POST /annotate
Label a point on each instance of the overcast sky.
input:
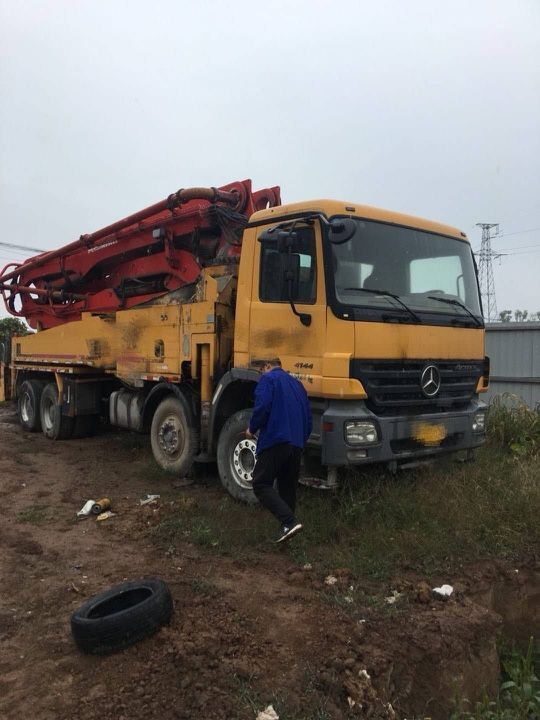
(426, 107)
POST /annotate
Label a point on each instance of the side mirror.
(341, 230)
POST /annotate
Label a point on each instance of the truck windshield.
(432, 275)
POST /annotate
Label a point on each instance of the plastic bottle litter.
(86, 509)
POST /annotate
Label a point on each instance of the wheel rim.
(171, 437)
(26, 407)
(47, 414)
(243, 463)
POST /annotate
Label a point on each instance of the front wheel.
(173, 436)
(236, 458)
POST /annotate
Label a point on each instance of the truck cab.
(378, 315)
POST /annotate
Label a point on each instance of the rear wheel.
(173, 436)
(55, 426)
(28, 402)
(236, 458)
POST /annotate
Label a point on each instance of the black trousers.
(282, 463)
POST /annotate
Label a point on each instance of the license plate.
(429, 434)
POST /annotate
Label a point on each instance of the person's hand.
(249, 434)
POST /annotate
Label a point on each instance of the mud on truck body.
(159, 322)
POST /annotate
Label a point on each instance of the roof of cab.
(336, 207)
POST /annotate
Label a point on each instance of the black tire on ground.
(85, 426)
(121, 616)
(28, 401)
(173, 436)
(236, 458)
(54, 425)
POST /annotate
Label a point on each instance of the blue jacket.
(282, 413)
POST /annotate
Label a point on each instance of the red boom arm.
(147, 254)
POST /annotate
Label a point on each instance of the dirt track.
(242, 635)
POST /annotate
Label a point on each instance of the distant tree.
(520, 315)
(12, 326)
(505, 316)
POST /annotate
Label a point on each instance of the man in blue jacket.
(282, 417)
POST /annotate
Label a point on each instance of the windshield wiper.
(388, 294)
(450, 301)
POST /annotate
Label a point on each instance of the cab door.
(280, 276)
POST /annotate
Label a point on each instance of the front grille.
(394, 386)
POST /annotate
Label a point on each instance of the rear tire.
(54, 425)
(28, 402)
(236, 458)
(173, 436)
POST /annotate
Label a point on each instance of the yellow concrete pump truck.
(159, 322)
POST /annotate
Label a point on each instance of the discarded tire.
(121, 616)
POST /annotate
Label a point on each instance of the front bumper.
(401, 438)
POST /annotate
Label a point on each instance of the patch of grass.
(203, 587)
(150, 471)
(34, 514)
(219, 524)
(512, 424)
(430, 520)
(519, 693)
(315, 705)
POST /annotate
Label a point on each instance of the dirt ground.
(243, 634)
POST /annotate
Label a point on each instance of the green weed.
(512, 424)
(519, 693)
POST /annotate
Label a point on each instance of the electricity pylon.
(485, 271)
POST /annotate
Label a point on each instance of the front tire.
(236, 458)
(28, 402)
(173, 436)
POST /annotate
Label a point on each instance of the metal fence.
(514, 350)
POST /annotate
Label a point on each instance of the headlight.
(479, 422)
(360, 433)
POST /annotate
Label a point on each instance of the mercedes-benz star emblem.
(430, 381)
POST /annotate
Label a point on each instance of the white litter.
(86, 509)
(330, 580)
(444, 590)
(307, 566)
(268, 714)
(391, 599)
(147, 499)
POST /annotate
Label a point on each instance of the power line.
(520, 247)
(21, 247)
(519, 232)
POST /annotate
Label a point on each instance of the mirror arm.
(305, 318)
